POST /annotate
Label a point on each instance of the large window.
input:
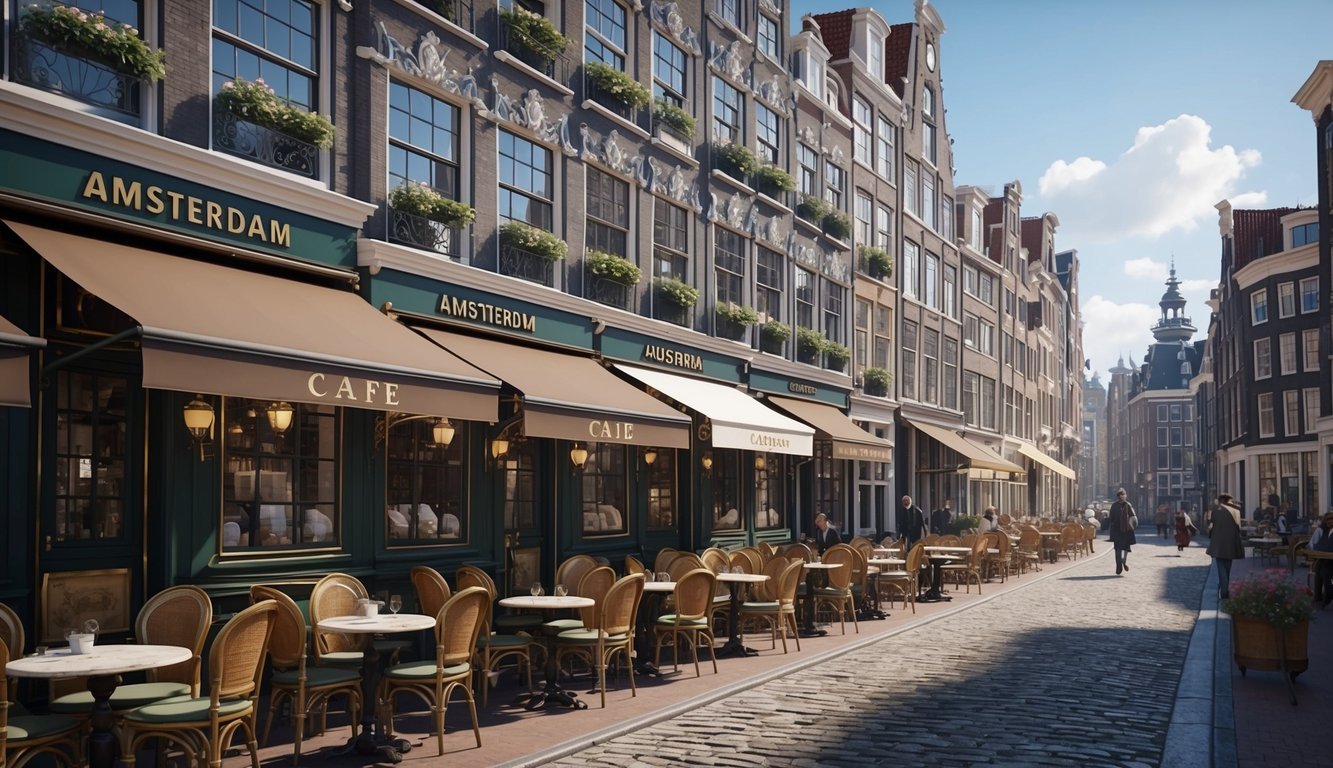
(864, 219)
(769, 482)
(910, 190)
(270, 39)
(949, 293)
(835, 300)
(1291, 412)
(949, 354)
(727, 490)
(518, 468)
(423, 140)
(730, 10)
(1310, 295)
(604, 38)
(1287, 352)
(928, 211)
(1310, 344)
(928, 125)
(835, 179)
(1263, 359)
(930, 363)
(768, 132)
(1266, 414)
(863, 118)
(910, 267)
(930, 278)
(807, 175)
(769, 37)
(910, 330)
(279, 489)
(729, 260)
(425, 491)
(971, 397)
(527, 184)
(805, 298)
(768, 273)
(669, 83)
(1259, 306)
(1311, 397)
(728, 113)
(608, 213)
(1304, 234)
(604, 487)
(884, 143)
(92, 450)
(662, 490)
(1286, 300)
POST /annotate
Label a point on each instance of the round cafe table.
(939, 556)
(103, 666)
(374, 736)
(648, 611)
(816, 575)
(734, 646)
(552, 693)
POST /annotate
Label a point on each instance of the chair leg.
(441, 701)
(694, 651)
(298, 728)
(712, 642)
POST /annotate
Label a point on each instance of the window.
(970, 280)
(1311, 397)
(1286, 300)
(975, 235)
(949, 293)
(274, 41)
(527, 184)
(423, 141)
(767, 132)
(520, 485)
(911, 265)
(1263, 361)
(985, 338)
(946, 218)
(909, 359)
(730, 10)
(884, 228)
(603, 485)
(1304, 234)
(768, 272)
(92, 456)
(807, 177)
(930, 363)
(608, 213)
(971, 397)
(910, 187)
(669, 83)
(862, 117)
(728, 113)
(971, 327)
(928, 125)
(662, 490)
(769, 486)
(987, 402)
(768, 37)
(986, 288)
(729, 261)
(864, 215)
(928, 211)
(810, 71)
(884, 142)
(425, 489)
(834, 301)
(1310, 295)
(1259, 306)
(931, 278)
(1266, 414)
(1287, 352)
(876, 62)
(727, 491)
(880, 358)
(1310, 342)
(835, 179)
(805, 298)
(950, 357)
(604, 38)
(670, 239)
(281, 491)
(1291, 416)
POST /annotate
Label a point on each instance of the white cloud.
(1168, 180)
(1112, 331)
(1145, 269)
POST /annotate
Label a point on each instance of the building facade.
(1092, 473)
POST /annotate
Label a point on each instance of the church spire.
(1173, 326)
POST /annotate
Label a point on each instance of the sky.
(1129, 120)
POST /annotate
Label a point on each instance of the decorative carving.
(807, 256)
(837, 155)
(668, 15)
(773, 233)
(774, 94)
(673, 184)
(836, 267)
(427, 62)
(608, 152)
(807, 136)
(531, 114)
(732, 212)
(770, 6)
(729, 60)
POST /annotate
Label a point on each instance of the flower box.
(1257, 644)
(539, 39)
(773, 337)
(616, 269)
(90, 36)
(736, 161)
(257, 103)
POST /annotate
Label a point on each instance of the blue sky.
(1130, 120)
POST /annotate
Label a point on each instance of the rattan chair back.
(693, 595)
(767, 551)
(767, 591)
(335, 595)
(798, 551)
(1029, 541)
(236, 660)
(458, 625)
(11, 629)
(571, 572)
(287, 645)
(634, 565)
(915, 558)
(664, 558)
(431, 588)
(179, 616)
(755, 559)
(714, 559)
(471, 576)
(683, 563)
(844, 557)
(620, 606)
(594, 586)
(789, 581)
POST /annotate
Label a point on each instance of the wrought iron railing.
(264, 145)
(610, 292)
(410, 229)
(594, 92)
(525, 49)
(42, 66)
(526, 265)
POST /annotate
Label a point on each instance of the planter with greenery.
(421, 200)
(443, 7)
(616, 84)
(736, 161)
(526, 237)
(257, 103)
(875, 381)
(878, 262)
(1270, 623)
(90, 36)
(772, 335)
(535, 34)
(963, 524)
(836, 356)
(837, 225)
(734, 319)
(675, 118)
(772, 180)
(677, 292)
(617, 269)
(809, 345)
(813, 209)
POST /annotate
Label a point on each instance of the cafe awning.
(218, 330)
(738, 420)
(978, 456)
(15, 348)
(1046, 461)
(571, 397)
(849, 440)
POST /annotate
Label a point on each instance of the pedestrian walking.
(913, 520)
(939, 519)
(1224, 543)
(1123, 523)
(1321, 540)
(1185, 530)
(1161, 519)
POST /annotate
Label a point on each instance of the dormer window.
(831, 93)
(876, 59)
(810, 71)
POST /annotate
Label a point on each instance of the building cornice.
(1316, 94)
(1293, 260)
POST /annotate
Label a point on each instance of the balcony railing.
(41, 66)
(457, 11)
(421, 232)
(263, 145)
(526, 265)
(593, 92)
(610, 292)
(521, 47)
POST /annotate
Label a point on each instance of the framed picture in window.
(71, 597)
(525, 570)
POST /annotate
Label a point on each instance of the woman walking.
(1123, 523)
(1184, 530)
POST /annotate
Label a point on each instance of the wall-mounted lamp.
(579, 455)
(707, 461)
(441, 430)
(280, 416)
(650, 456)
(499, 447)
(760, 463)
(198, 415)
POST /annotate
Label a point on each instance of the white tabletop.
(820, 566)
(101, 660)
(942, 557)
(744, 578)
(548, 602)
(887, 550)
(1050, 533)
(948, 549)
(384, 622)
(659, 586)
(887, 561)
(1265, 540)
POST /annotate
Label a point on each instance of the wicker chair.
(838, 594)
(1029, 548)
(693, 598)
(664, 558)
(492, 649)
(594, 585)
(24, 737)
(714, 558)
(767, 551)
(11, 634)
(777, 604)
(907, 581)
(431, 588)
(307, 688)
(611, 632)
(634, 565)
(997, 562)
(1073, 541)
(969, 569)
(178, 616)
(683, 563)
(572, 570)
(798, 551)
(457, 627)
(203, 727)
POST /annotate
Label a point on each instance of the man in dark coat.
(1224, 544)
(914, 521)
(825, 534)
(1123, 522)
(939, 519)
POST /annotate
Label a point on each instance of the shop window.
(280, 488)
(662, 490)
(520, 486)
(770, 505)
(426, 490)
(726, 490)
(603, 485)
(91, 493)
(828, 485)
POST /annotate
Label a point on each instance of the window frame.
(665, 88)
(504, 187)
(1263, 358)
(1286, 300)
(1309, 295)
(728, 124)
(1259, 306)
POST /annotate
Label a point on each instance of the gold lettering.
(125, 195)
(280, 233)
(202, 212)
(256, 228)
(487, 313)
(235, 221)
(372, 388)
(310, 385)
(345, 390)
(213, 212)
(155, 204)
(95, 187)
(390, 393)
(176, 199)
(194, 210)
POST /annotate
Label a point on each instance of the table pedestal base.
(552, 694)
(102, 742)
(389, 750)
(934, 596)
(734, 647)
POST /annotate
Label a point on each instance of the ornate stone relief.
(835, 266)
(530, 113)
(668, 15)
(731, 62)
(426, 62)
(732, 212)
(837, 155)
(608, 152)
(774, 233)
(808, 137)
(774, 93)
(674, 185)
(770, 6)
(807, 256)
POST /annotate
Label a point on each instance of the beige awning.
(849, 440)
(570, 397)
(1046, 461)
(224, 331)
(16, 348)
(978, 456)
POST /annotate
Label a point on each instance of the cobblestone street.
(1080, 668)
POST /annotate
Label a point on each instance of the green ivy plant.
(533, 240)
(812, 208)
(876, 381)
(776, 332)
(90, 36)
(677, 291)
(809, 341)
(771, 177)
(737, 313)
(677, 119)
(616, 84)
(534, 32)
(877, 260)
(837, 225)
(257, 103)
(612, 267)
(736, 160)
(837, 354)
(420, 200)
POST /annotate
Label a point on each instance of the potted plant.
(878, 262)
(534, 33)
(875, 381)
(837, 225)
(673, 117)
(809, 344)
(771, 179)
(733, 319)
(813, 209)
(772, 335)
(963, 524)
(1270, 623)
(89, 36)
(526, 237)
(421, 200)
(836, 355)
(257, 103)
(617, 269)
(678, 292)
(616, 84)
(736, 161)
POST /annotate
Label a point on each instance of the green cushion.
(584, 636)
(124, 698)
(514, 621)
(669, 620)
(38, 727)
(16, 709)
(317, 677)
(832, 592)
(183, 709)
(557, 626)
(342, 658)
(504, 641)
(424, 670)
(759, 607)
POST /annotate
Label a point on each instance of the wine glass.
(536, 589)
(395, 603)
(561, 590)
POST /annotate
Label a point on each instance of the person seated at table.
(987, 522)
(825, 535)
